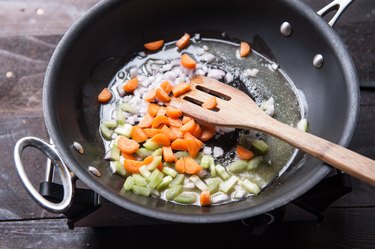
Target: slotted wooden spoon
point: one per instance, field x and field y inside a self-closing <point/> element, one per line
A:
<point x="236" y="109"/>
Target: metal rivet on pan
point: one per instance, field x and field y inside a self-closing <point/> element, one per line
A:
<point x="78" y="147"/>
<point x="286" y="29"/>
<point x="318" y="61"/>
<point x="94" y="171"/>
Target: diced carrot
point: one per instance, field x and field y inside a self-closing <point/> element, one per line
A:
<point x="191" y="166"/>
<point x="148" y="160"/>
<point x="186" y="119"/>
<point x="132" y="166"/>
<point x="197" y="132"/>
<point x="192" y="147"/>
<point x="151" y="132"/>
<point x="162" y="95"/>
<point x="180" y="166"/>
<point x="176" y="131"/>
<point x="159" y="120"/>
<point x="188" y="62"/>
<point x="199" y="142"/>
<point x="161" y="111"/>
<point x="138" y="135"/>
<point x="244" y="49"/>
<point x="128" y="156"/>
<point x="166" y="86"/>
<point x="160" y="166"/>
<point x="174" y="122"/>
<point x="183" y="41"/>
<point x="131" y="85"/>
<point x="179" y="144"/>
<point x="181" y="89"/>
<point x="205" y="198"/>
<point x="155" y="45"/>
<point x="146" y="121"/>
<point x="210" y="103"/>
<point x="207" y="133"/>
<point x="168" y="155"/>
<point x="243" y="153"/>
<point x="105" y="96"/>
<point x="173" y="112"/>
<point x="153" y="109"/>
<point x="150" y="96"/>
<point x="170" y="134"/>
<point x="188" y="127"/>
<point x="161" y="139"/>
<point x="127" y="145"/>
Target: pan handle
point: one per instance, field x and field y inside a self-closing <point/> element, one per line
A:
<point x="51" y="153"/>
<point x="338" y="5"/>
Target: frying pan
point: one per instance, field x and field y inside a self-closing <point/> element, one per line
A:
<point x="302" y="43"/>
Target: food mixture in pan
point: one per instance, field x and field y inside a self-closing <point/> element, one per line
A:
<point x="163" y="153"/>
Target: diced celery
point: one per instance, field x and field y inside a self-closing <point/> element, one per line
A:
<point x="238" y="166"/>
<point x="221" y="171"/>
<point x="250" y="186"/>
<point x="186" y="198"/>
<point x="205" y="161"/>
<point x="106" y="132"/>
<point x="143" y="152"/>
<point x="254" y="162"/>
<point x="259" y="145"/>
<point x="139" y="180"/>
<point x="198" y="157"/>
<point x="118" y="168"/>
<point x="239" y="194"/>
<point x="168" y="164"/>
<point x="165" y="182"/>
<point x="228" y="184"/>
<point x="169" y="171"/>
<point x="213" y="184"/>
<point x="212" y="168"/>
<point x="155" y="178"/>
<point x="141" y="190"/>
<point x="198" y="182"/>
<point x="158" y="152"/>
<point x="155" y="193"/>
<point x="113" y="154"/>
<point x="151" y="145"/>
<point x="178" y="180"/>
<point x="144" y="171"/>
<point x="244" y="141"/>
<point x="155" y="163"/>
<point x="173" y="192"/>
<point x="125" y="130"/>
<point x="180" y="154"/>
<point x="120" y="117"/>
<point x="126" y="107"/>
<point x="219" y="197"/>
<point x="111" y="124"/>
<point x="129" y="182"/>
<point x="302" y="124"/>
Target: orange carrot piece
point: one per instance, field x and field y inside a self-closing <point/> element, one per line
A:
<point x="131" y="85"/>
<point x="161" y="111"/>
<point x="138" y="135"/>
<point x="205" y="198"/>
<point x="188" y="62"/>
<point x="128" y="156"/>
<point x="148" y="160"/>
<point x="179" y="144"/>
<point x="105" y="96"/>
<point x="188" y="135"/>
<point x="186" y="119"/>
<point x="150" y="96"/>
<point x="180" y="166"/>
<point x="244" y="49"/>
<point x="170" y="134"/>
<point x="168" y="155"/>
<point x="150" y="132"/>
<point x="160" y="166"/>
<point x="243" y="153"/>
<point x="183" y="41"/>
<point x="208" y="132"/>
<point x="166" y="86"/>
<point x="153" y="109"/>
<point x="197" y="132"/>
<point x="146" y="121"/>
<point x="173" y="112"/>
<point x="210" y="103"/>
<point x="127" y="145"/>
<point x="161" y="139"/>
<point x="159" y="120"/>
<point x="132" y="166"/>
<point x="191" y="166"/>
<point x="176" y="131"/>
<point x="192" y="147"/>
<point x="174" y="122"/>
<point x="155" y="45"/>
<point x="181" y="89"/>
<point x="162" y="95"/>
<point x="188" y="127"/>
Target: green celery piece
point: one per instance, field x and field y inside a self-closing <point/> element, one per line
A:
<point x="238" y="166"/>
<point x="186" y="198"/>
<point x="178" y="180"/>
<point x="113" y="154"/>
<point x="303" y="125"/>
<point x="165" y="182"/>
<point x="155" y="178"/>
<point x="250" y="186"/>
<point x="141" y="190"/>
<point x="260" y="146"/>
<point x="180" y="154"/>
<point x="128" y="108"/>
<point x="169" y="171"/>
<point x="155" y="162"/>
<point x="125" y="130"/>
<point x="212" y="168"/>
<point x="228" y="184"/>
<point x="143" y="152"/>
<point x="213" y="185"/>
<point x="120" y="117"/>
<point x="139" y="180"/>
<point x="129" y="182"/>
<point x="158" y="152"/>
<point x="221" y="171"/>
<point x="111" y="124"/>
<point x="118" y="168"/>
<point x="151" y="145"/>
<point x="205" y="161"/>
<point x="173" y="192"/>
<point x="244" y="142"/>
<point x="254" y="162"/>
<point x="198" y="157"/>
<point x="106" y="132"/>
<point x="198" y="182"/>
<point x="144" y="172"/>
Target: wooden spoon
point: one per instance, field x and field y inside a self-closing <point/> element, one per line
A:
<point x="236" y="109"/>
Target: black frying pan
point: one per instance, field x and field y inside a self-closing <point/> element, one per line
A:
<point x="80" y="68"/>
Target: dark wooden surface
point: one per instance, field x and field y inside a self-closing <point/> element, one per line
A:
<point x="29" y="33"/>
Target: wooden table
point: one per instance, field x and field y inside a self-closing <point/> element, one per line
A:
<point x="29" y="32"/>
